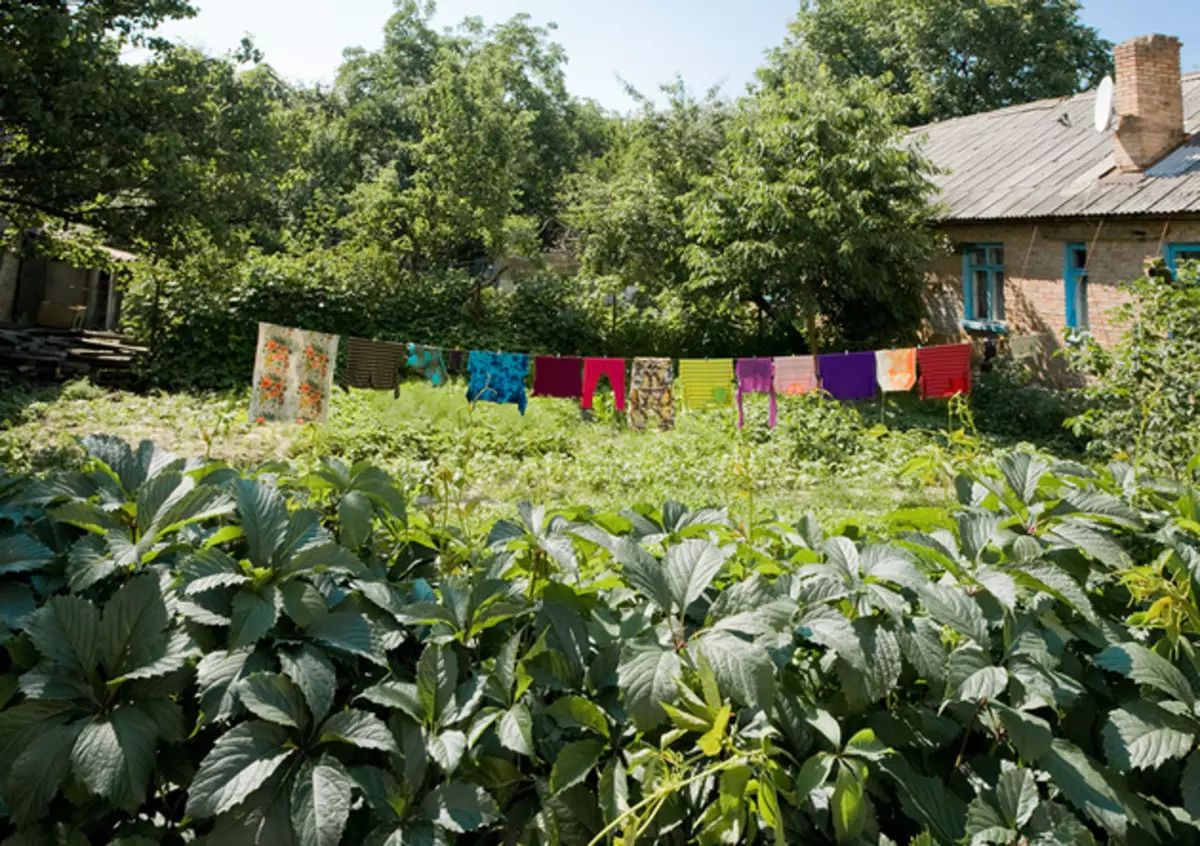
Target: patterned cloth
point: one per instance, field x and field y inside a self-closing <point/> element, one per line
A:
<point x="614" y="369"/>
<point x="796" y="375"/>
<point x="651" y="394"/>
<point x="429" y="363"/>
<point x="558" y="377"/>
<point x="945" y="370"/>
<point x="755" y="376"/>
<point x="896" y="370"/>
<point x="456" y="362"/>
<point x="499" y="378"/>
<point x="707" y="383"/>
<point x="373" y="365"/>
<point x="848" y="376"/>
<point x="293" y="374"/>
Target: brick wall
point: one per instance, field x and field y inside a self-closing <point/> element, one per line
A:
<point x="1035" y="264"/>
<point x="1149" y="101"/>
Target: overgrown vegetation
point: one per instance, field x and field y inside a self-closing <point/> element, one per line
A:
<point x="198" y="654"/>
<point x="1141" y="399"/>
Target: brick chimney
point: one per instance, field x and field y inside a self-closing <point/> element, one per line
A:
<point x="1149" y="101"/>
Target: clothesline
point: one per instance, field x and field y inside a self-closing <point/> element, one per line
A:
<point x="283" y="389"/>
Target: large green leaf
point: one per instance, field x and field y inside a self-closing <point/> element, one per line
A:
<point x="21" y="724"/>
<point x="273" y="697"/>
<point x="34" y="777"/>
<point x="355" y="512"/>
<point x="1029" y="734"/>
<point x="208" y="569"/>
<point x="1141" y="735"/>
<point x="460" y="807"/>
<point x="264" y="520"/>
<point x="16" y="604"/>
<point x="350" y="633"/>
<point x="21" y="552"/>
<point x="254" y="615"/>
<point x="744" y="670"/>
<point x="516" y="730"/>
<point x="114" y="755"/>
<point x="827" y="627"/>
<point x="437" y="677"/>
<point x="848" y="806"/>
<point x="577" y="711"/>
<point x="321" y="802"/>
<point x="648" y="677"/>
<point x="1017" y="796"/>
<point x="65" y="631"/>
<point x="573" y="763"/>
<point x="689" y="568"/>
<point x="314" y="674"/>
<point x="402" y="696"/>
<point x="644" y="572"/>
<point x="215" y="676"/>
<point x="240" y="761"/>
<point x="1092" y="540"/>
<point x="133" y="620"/>
<point x="1084" y="786"/>
<point x="1136" y="662"/>
<point x="358" y="728"/>
<point x="953" y="607"/>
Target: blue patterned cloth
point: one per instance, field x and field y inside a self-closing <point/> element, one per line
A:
<point x="498" y="377"/>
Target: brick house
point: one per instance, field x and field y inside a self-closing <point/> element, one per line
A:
<point x="1047" y="215"/>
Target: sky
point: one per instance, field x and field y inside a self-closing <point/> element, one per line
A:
<point x="645" y="42"/>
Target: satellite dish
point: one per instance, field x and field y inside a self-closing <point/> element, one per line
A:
<point x="1105" y="111"/>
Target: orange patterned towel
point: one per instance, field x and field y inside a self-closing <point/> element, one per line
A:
<point x="795" y="375"/>
<point x="896" y="370"/>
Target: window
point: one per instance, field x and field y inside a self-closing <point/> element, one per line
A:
<point x="983" y="285"/>
<point x="1177" y="253"/>
<point x="1076" y="279"/>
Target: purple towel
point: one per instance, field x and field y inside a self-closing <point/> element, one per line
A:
<point x="755" y="376"/>
<point x="848" y="376"/>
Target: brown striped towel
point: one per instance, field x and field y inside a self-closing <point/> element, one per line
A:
<point x="374" y="365"/>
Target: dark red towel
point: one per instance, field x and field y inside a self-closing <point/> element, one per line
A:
<point x="945" y="371"/>
<point x="558" y="377"/>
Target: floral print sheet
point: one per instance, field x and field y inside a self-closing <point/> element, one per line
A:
<point x="293" y="375"/>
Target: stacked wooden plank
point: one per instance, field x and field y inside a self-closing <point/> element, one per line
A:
<point x="35" y="352"/>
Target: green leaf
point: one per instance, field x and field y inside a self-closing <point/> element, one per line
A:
<point x="351" y="633"/>
<point x="1059" y="584"/>
<point x="208" y="569"/>
<point x="20" y="724"/>
<point x="358" y="728"/>
<point x="1084" y="786"/>
<point x="114" y="755"/>
<point x="355" y="512"/>
<point x="951" y="606"/>
<point x="264" y="520"/>
<point x="1143" y="666"/>
<point x="274" y="698"/>
<point x="1017" y="796"/>
<point x="65" y="632"/>
<point x="1190" y="785"/>
<point x="321" y="802"/>
<point x="573" y="764"/>
<point x="447" y="750"/>
<point x="987" y="683"/>
<point x="1142" y="735"/>
<point x="302" y="602"/>
<point x="460" y="807"/>
<point x="744" y="670"/>
<point x="827" y="627"/>
<point x="314" y="674"/>
<point x="89" y="562"/>
<point x="254" y="616"/>
<point x="575" y="711"/>
<point x="16" y="604"/>
<point x="614" y="789"/>
<point x="168" y="655"/>
<point x="645" y="573"/>
<point x="215" y="676"/>
<point x="813" y="775"/>
<point x="848" y="806"/>
<point x="21" y="553"/>
<point x="647" y="678"/>
<point x="1093" y="541"/>
<point x="516" y="730"/>
<point x="239" y="763"/>
<point x="1030" y="735"/>
<point x="689" y="568"/>
<point x="34" y="777"/>
<point x="132" y="622"/>
<point x="985" y="825"/>
<point x="86" y="516"/>
<point x="437" y="677"/>
<point x="402" y="696"/>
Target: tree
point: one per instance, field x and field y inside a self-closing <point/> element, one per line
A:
<point x="952" y="57"/>
<point x="817" y="214"/>
<point x="143" y="152"/>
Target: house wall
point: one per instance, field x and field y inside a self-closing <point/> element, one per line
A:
<point x="66" y="285"/>
<point x="1035" y="266"/>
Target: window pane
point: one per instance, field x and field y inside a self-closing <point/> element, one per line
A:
<point x="997" y="295"/>
<point x="980" y="284"/>
<point x="1187" y="255"/>
<point x="996" y="257"/>
<point x="977" y="257"/>
<point x="1079" y="258"/>
<point x="1081" y="302"/>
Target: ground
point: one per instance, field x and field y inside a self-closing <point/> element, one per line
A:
<point x="825" y="459"/>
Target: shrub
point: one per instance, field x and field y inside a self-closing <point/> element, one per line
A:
<point x="196" y="654"/>
<point x="1142" y="395"/>
<point x="1008" y="403"/>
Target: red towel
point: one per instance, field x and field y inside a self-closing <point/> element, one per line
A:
<point x="945" y="370"/>
<point x="558" y="377"/>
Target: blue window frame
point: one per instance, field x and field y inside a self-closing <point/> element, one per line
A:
<point x="983" y="286"/>
<point x="1177" y="253"/>
<point x="1076" y="278"/>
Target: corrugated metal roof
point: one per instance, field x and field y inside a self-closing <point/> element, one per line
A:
<point x="1046" y="160"/>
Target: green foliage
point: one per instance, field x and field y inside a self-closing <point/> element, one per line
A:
<point x="949" y="57"/>
<point x="195" y="653"/>
<point x="1008" y="402"/>
<point x="1141" y="395"/>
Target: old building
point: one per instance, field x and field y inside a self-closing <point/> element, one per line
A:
<point x="1046" y="215"/>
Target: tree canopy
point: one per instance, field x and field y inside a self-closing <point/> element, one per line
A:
<point x="952" y="57"/>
